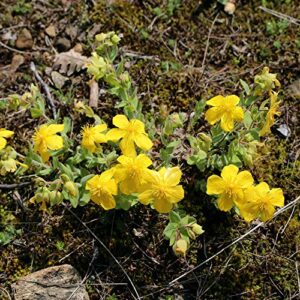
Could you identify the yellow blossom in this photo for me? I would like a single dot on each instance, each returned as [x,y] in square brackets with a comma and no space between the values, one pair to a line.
[131,132]
[103,188]
[226,110]
[131,172]
[45,139]
[92,136]
[4,134]
[271,114]
[260,202]
[162,189]
[229,187]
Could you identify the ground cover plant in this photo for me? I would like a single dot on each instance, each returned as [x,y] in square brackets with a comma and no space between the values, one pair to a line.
[144,147]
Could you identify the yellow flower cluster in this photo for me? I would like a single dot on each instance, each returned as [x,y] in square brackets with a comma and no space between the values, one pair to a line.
[235,188]
[131,175]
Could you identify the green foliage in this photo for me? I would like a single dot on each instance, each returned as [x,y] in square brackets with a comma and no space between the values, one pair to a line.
[277,27]
[21,7]
[181,227]
[8,232]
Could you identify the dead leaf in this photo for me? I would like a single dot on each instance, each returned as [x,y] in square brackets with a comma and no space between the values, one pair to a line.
[69,62]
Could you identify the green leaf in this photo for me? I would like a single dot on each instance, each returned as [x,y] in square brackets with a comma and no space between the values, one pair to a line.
[245,86]
[247,119]
[174,217]
[125,201]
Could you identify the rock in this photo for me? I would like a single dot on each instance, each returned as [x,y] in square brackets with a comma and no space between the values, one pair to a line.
[24,40]
[58,79]
[51,31]
[59,283]
[63,44]
[16,62]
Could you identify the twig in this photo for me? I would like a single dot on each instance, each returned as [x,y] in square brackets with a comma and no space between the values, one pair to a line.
[207,42]
[280,15]
[12,186]
[45,86]
[12,49]
[281,210]
[6,292]
[104,246]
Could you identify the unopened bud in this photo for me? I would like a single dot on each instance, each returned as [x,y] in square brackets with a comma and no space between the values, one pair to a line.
[71,188]
[65,178]
[180,247]
[197,229]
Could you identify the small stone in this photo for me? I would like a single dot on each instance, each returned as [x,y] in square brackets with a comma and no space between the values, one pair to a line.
[24,40]
[51,31]
[229,8]
[78,48]
[58,79]
[59,282]
[63,44]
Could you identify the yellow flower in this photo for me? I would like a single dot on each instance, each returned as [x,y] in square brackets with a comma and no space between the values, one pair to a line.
[45,139]
[261,202]
[226,110]
[162,189]
[271,114]
[103,188]
[131,172]
[131,132]
[266,80]
[92,136]
[230,186]
[4,134]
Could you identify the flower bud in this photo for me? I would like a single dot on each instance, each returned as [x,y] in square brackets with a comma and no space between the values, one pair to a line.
[180,247]
[205,138]
[71,188]
[197,229]
[65,178]
[115,39]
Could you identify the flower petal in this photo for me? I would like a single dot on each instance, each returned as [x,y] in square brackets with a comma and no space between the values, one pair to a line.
[216,101]
[107,201]
[143,161]
[277,198]
[120,121]
[238,114]
[244,179]
[232,99]
[100,127]
[172,176]
[162,206]
[262,189]
[229,173]
[54,142]
[127,147]
[3,143]
[225,203]
[175,194]
[115,134]
[146,197]
[227,123]
[6,133]
[215,185]
[142,141]
[267,213]
[124,160]
[138,125]
[55,128]
[213,115]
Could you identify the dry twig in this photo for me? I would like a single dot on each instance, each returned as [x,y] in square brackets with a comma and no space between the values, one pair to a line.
[46,88]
